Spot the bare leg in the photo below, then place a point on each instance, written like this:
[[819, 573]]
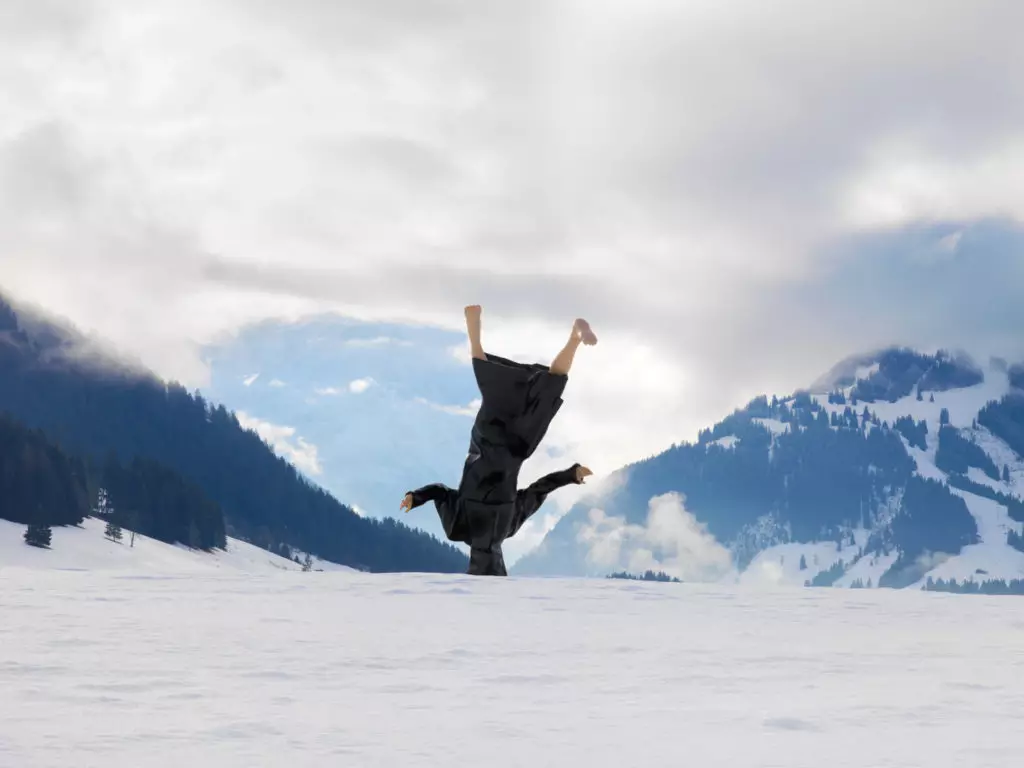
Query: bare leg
[[581, 334], [473, 329]]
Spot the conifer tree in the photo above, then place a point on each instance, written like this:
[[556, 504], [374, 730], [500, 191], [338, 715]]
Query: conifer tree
[[37, 535], [113, 531]]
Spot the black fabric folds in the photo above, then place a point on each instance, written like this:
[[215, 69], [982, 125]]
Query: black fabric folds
[[519, 401]]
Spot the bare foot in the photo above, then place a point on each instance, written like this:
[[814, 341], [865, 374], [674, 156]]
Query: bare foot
[[582, 329], [473, 312]]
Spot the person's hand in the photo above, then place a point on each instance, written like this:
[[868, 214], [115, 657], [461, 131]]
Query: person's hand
[[406, 503], [582, 473]]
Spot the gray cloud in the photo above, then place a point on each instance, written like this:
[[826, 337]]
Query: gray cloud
[[737, 194]]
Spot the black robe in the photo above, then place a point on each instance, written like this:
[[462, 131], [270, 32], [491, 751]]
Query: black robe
[[518, 402]]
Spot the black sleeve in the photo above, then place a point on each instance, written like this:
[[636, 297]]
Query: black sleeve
[[530, 499], [432, 492], [553, 482]]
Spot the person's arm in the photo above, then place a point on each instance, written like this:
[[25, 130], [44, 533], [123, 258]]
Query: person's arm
[[433, 492], [530, 499], [449, 509]]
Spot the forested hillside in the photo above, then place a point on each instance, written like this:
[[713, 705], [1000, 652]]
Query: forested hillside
[[41, 485], [93, 411]]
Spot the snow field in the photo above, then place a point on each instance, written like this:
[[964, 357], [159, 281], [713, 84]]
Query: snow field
[[230, 669]]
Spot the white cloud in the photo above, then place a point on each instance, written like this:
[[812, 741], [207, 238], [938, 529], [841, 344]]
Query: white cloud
[[355, 387], [358, 386], [377, 341], [461, 353], [671, 540], [276, 383], [454, 410], [677, 172], [248, 380], [283, 440]]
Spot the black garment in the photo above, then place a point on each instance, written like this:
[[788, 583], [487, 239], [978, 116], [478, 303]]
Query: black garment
[[518, 403]]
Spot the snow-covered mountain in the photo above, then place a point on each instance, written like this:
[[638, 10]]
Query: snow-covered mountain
[[895, 469]]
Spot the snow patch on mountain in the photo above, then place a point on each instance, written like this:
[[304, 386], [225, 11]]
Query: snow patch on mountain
[[774, 426], [978, 562], [795, 563], [867, 570], [992, 518], [992, 557], [85, 548], [1003, 456]]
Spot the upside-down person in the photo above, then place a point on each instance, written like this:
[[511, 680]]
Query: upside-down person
[[518, 403]]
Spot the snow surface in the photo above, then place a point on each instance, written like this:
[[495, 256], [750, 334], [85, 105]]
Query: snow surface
[[780, 564], [1003, 456], [233, 670], [85, 548], [992, 558], [867, 569], [726, 442], [775, 426]]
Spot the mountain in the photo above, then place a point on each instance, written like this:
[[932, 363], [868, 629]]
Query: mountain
[[94, 405], [895, 469]]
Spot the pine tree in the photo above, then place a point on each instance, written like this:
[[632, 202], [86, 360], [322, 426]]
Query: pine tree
[[307, 563], [113, 531], [931, 398], [38, 536], [1006, 473], [944, 416], [803, 563]]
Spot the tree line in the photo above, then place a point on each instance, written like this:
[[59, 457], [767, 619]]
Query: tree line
[[42, 486]]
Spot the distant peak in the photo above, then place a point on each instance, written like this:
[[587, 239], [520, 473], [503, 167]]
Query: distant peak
[[896, 372]]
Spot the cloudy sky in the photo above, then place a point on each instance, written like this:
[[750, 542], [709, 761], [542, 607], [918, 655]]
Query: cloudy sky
[[736, 194]]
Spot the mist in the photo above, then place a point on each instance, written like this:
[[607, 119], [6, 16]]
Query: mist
[[671, 540]]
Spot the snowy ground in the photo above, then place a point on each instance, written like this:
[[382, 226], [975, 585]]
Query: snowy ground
[[85, 548], [225, 668]]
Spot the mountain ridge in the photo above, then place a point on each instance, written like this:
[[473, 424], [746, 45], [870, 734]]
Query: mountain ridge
[[879, 457]]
